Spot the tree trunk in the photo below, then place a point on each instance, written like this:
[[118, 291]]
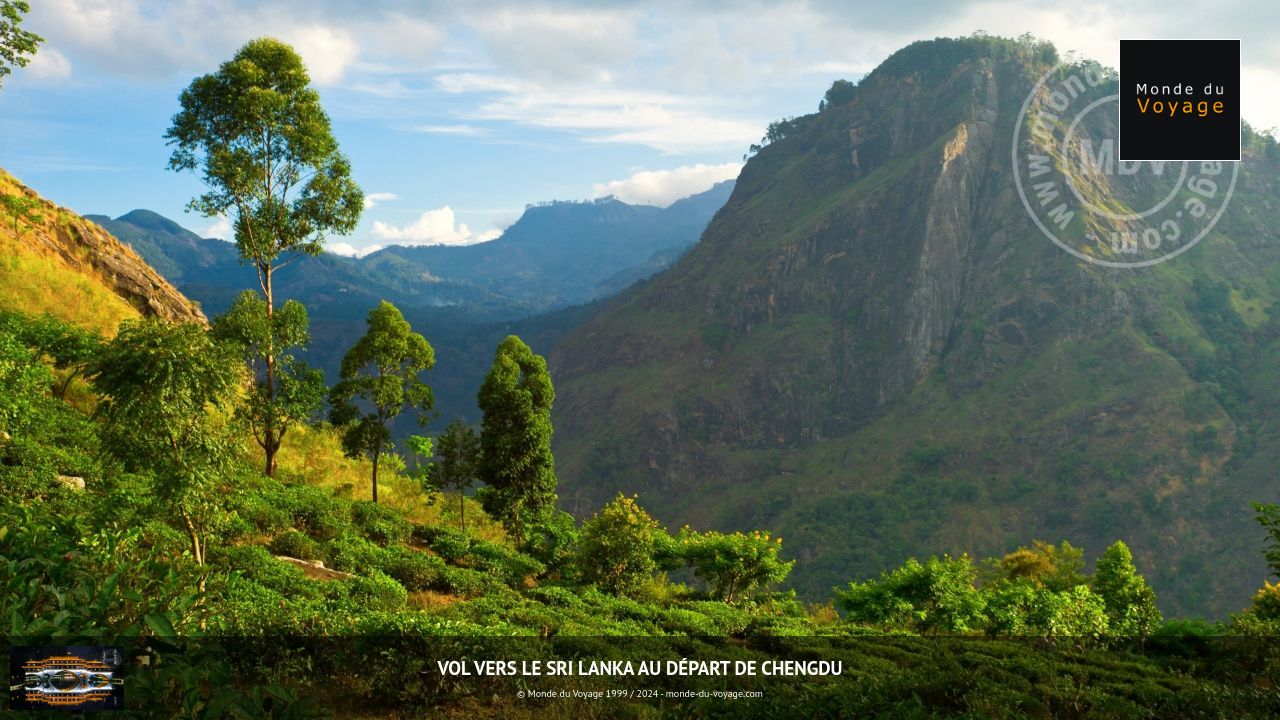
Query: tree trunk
[[270, 443], [197, 552], [376, 453]]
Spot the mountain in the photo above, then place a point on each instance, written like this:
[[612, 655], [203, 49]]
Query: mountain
[[465, 300], [875, 351], [605, 242], [59, 263], [210, 271]]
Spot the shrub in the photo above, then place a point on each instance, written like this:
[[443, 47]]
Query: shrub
[[414, 570], [264, 513], [733, 564], [297, 545], [931, 596], [255, 563], [315, 511], [352, 553], [378, 591], [616, 549], [513, 566], [464, 581], [448, 543], [554, 541], [379, 523]]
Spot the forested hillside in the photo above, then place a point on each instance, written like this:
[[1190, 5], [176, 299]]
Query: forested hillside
[[875, 352]]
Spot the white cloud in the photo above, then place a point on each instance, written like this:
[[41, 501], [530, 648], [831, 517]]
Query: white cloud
[[667, 122], [49, 64], [663, 187], [559, 44], [372, 199], [466, 130], [349, 250], [221, 229], [326, 51], [434, 227]]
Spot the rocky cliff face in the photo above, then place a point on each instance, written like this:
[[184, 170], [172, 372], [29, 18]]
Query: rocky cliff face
[[83, 247], [875, 351]]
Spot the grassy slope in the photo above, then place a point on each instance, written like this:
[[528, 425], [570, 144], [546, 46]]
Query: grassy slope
[[37, 283]]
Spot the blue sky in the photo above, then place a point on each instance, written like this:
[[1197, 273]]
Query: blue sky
[[456, 116]]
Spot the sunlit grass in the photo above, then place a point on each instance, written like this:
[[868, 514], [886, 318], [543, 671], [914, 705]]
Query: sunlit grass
[[36, 282], [313, 455]]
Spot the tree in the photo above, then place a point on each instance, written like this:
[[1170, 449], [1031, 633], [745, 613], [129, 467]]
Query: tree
[[20, 209], [937, 595], [841, 92], [378, 381], [734, 563], [1269, 519], [70, 347], [23, 379], [16, 45], [1130, 602], [459, 453], [1054, 567], [617, 545], [160, 385], [515, 436], [299, 389], [256, 132]]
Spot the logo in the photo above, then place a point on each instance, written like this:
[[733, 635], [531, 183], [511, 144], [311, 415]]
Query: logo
[[66, 678], [1097, 207]]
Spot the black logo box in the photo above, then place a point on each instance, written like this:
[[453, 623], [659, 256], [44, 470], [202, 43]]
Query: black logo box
[[1186, 65]]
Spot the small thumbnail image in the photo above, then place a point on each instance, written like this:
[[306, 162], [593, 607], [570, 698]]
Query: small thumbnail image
[[62, 677]]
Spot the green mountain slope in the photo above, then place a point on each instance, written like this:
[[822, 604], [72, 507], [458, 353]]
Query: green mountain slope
[[874, 351]]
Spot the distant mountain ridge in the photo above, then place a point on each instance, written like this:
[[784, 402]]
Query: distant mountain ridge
[[555, 256], [466, 299]]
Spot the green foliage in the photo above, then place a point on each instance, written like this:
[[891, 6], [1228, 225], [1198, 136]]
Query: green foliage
[[458, 449], [841, 92], [733, 565], [935, 596], [378, 381], [22, 381], [1130, 602], [449, 544], [415, 570], [292, 392], [16, 45], [515, 437], [256, 133], [19, 208], [378, 591], [297, 545], [1269, 518], [69, 347], [316, 511], [256, 563], [553, 541], [382, 525], [1266, 602], [158, 384], [354, 554], [265, 151], [1057, 568], [617, 547], [60, 577]]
